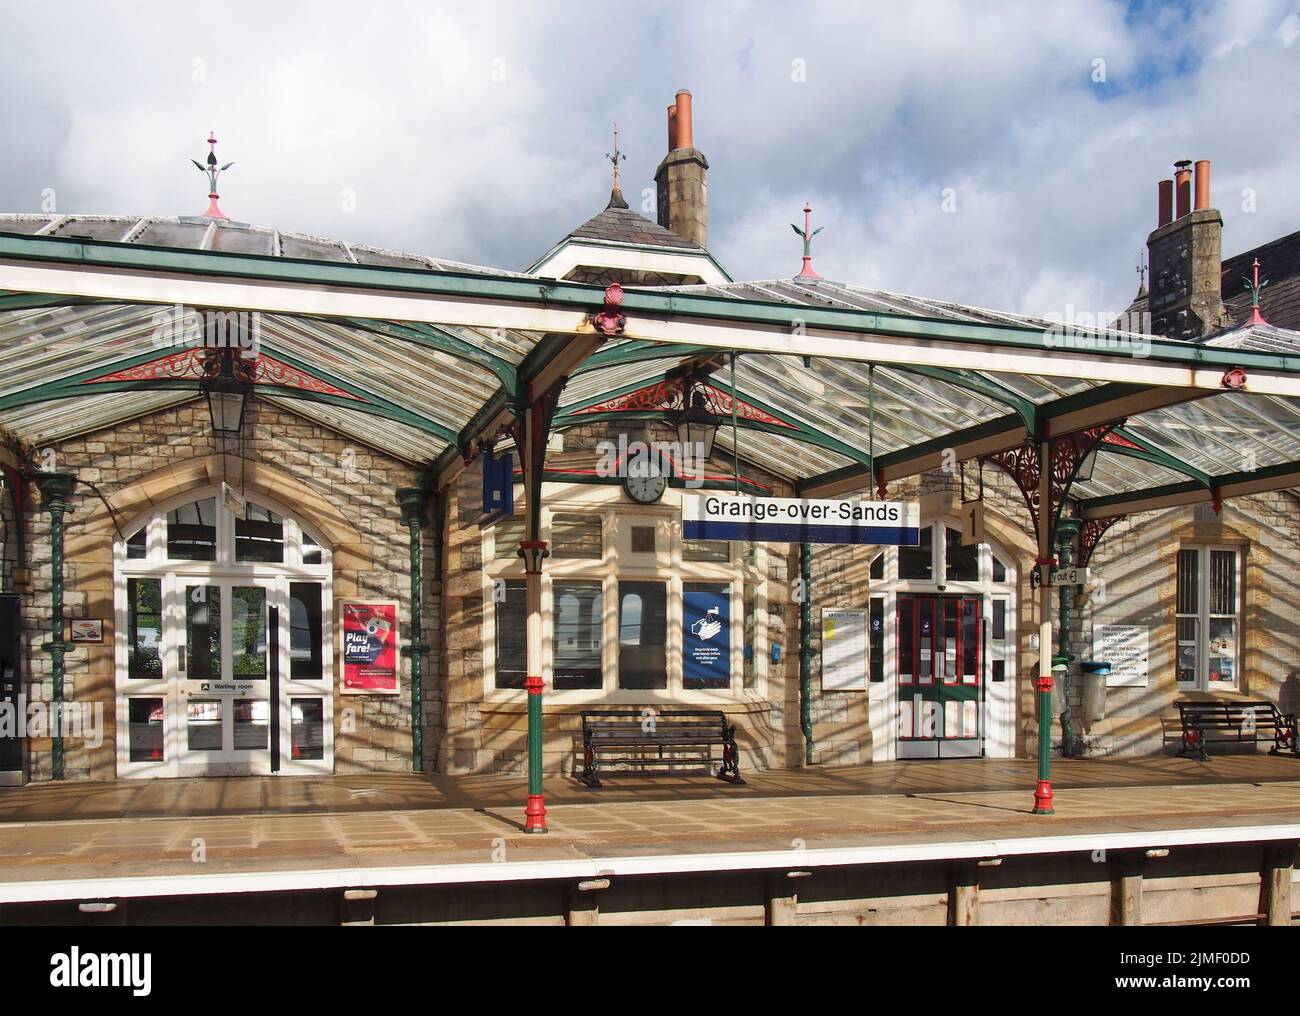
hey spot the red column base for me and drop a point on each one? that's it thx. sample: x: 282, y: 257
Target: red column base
x: 535, y: 815
x: 1043, y: 798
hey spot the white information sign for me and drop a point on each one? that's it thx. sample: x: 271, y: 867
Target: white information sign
x: 1124, y: 647
x: 722, y: 516
x: 844, y: 650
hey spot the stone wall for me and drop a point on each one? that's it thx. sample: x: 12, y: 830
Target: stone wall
x: 299, y: 464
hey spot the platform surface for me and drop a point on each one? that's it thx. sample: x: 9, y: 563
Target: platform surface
x: 165, y: 836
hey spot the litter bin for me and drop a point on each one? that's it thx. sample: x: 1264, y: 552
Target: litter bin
x: 1095, y: 673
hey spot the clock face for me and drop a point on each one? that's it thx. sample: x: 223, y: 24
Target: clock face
x: 645, y: 481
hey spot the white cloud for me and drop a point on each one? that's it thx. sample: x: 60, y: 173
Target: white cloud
x: 478, y: 133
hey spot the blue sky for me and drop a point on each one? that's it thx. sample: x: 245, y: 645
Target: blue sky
x: 479, y: 133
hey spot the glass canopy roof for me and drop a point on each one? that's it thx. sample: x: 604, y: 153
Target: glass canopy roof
x: 69, y: 366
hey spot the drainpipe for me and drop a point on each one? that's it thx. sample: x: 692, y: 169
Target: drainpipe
x: 805, y: 651
x: 55, y: 490
x: 1066, y: 530
x: 412, y: 500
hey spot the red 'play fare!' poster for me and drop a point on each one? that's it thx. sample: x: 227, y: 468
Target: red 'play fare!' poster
x: 369, y: 648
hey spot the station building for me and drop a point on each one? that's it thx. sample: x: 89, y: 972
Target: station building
x: 194, y: 533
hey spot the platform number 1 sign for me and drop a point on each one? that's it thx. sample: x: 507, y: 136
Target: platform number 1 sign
x: 972, y: 523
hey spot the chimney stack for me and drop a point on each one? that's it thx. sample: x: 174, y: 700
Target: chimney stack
x: 682, y: 178
x: 1186, y: 256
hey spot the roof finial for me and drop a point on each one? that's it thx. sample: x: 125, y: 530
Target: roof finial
x: 213, y: 172
x: 807, y: 233
x: 616, y: 199
x: 1256, y: 318
x: 1142, y: 273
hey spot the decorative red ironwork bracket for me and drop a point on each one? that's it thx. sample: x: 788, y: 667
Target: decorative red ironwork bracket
x: 611, y: 321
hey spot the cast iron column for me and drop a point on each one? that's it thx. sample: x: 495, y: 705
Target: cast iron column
x: 1066, y: 530
x: 55, y: 490
x: 412, y: 501
x: 533, y: 551
x: 805, y: 651
x: 1043, y: 804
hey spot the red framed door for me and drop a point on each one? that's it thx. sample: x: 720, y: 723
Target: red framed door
x: 940, y: 677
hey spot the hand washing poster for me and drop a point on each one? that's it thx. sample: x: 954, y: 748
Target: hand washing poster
x: 369, y: 647
x: 706, y: 638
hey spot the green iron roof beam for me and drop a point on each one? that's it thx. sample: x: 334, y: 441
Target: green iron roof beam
x: 436, y: 338
x: 1114, y: 504
x: 545, y: 293
x: 1149, y: 453
x: 971, y: 381
x: 639, y: 351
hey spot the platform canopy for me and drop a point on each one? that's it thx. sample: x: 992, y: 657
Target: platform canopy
x: 422, y: 358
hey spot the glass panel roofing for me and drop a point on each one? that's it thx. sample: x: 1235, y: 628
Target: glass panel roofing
x: 412, y: 388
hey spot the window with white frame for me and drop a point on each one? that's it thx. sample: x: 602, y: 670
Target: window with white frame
x: 940, y: 558
x: 1207, y: 618
x: 620, y: 591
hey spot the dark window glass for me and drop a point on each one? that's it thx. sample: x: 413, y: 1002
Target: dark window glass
x: 962, y: 563
x: 970, y: 640
x: 577, y: 536
x: 307, y: 728
x: 192, y: 531
x: 1223, y: 582
x: 750, y: 675
x: 918, y: 562
x: 136, y: 546
x: 1189, y: 585
x: 144, y: 637
x: 878, y: 566
x: 203, y: 724
x: 311, y: 551
x: 999, y: 571
x: 259, y: 536
x: 906, y: 638
x: 642, y: 635
x: 999, y: 670
x: 145, y: 718
x: 511, y: 631
x: 579, y: 615
x: 203, y: 633
x: 306, y: 631
x: 877, y: 622
x: 999, y: 619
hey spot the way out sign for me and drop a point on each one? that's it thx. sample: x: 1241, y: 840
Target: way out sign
x: 719, y: 516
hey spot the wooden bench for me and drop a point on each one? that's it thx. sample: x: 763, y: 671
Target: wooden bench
x: 1243, y: 722
x: 689, y: 735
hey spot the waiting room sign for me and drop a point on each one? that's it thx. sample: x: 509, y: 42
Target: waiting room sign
x: 718, y: 516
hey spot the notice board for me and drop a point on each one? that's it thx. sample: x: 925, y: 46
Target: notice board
x: 1124, y: 647
x: 844, y: 650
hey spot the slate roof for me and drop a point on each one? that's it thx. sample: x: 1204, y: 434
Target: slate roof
x: 1279, y: 263
x: 620, y: 224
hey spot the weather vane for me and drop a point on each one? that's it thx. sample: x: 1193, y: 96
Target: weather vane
x: 1256, y: 318
x: 1142, y: 271
x: 213, y: 172
x: 807, y: 233
x: 616, y: 157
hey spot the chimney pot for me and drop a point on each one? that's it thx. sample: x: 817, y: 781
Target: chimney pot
x: 1183, y: 185
x: 672, y: 127
x: 1166, y: 203
x: 685, y: 129
x: 1203, y: 183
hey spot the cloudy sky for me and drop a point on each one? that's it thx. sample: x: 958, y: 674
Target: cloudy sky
x: 477, y: 131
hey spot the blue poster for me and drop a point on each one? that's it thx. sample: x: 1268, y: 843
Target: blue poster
x: 706, y: 638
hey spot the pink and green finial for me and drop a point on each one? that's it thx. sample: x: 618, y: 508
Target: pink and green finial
x: 807, y: 233
x: 213, y: 172
x: 1255, y: 286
